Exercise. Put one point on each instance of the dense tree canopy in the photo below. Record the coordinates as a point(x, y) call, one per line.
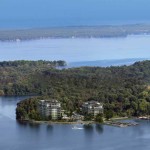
point(124, 90)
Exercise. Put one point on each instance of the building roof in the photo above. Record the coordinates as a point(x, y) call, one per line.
point(51, 102)
point(92, 104)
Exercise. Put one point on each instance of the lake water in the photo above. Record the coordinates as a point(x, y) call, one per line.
point(47, 13)
point(17, 136)
point(74, 50)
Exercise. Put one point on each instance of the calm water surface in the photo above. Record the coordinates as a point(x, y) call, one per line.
point(73, 50)
point(16, 136)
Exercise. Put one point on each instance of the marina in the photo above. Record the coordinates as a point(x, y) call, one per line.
point(121, 124)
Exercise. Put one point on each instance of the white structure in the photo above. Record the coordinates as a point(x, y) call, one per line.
point(92, 107)
point(50, 108)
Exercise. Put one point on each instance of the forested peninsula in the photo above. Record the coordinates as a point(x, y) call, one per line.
point(124, 90)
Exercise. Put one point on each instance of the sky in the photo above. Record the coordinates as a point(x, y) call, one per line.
point(46, 13)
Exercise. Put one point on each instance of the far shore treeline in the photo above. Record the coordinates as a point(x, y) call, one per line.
point(125, 90)
point(103, 31)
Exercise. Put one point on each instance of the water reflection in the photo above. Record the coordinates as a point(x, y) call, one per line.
point(89, 130)
point(25, 124)
point(88, 127)
point(99, 128)
point(34, 125)
point(22, 123)
point(49, 128)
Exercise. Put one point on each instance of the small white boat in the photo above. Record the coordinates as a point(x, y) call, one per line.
point(77, 128)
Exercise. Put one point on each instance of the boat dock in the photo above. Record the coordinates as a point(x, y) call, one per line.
point(121, 124)
point(144, 117)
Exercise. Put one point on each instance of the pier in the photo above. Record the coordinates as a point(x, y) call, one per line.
point(121, 124)
point(144, 117)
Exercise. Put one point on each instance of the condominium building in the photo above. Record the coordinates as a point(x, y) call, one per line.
point(92, 107)
point(50, 108)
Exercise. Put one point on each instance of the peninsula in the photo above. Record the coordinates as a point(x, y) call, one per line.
point(124, 91)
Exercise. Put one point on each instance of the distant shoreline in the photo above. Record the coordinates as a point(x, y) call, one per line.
point(108, 31)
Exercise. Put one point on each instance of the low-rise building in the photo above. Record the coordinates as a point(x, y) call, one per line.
point(50, 108)
point(92, 107)
point(76, 116)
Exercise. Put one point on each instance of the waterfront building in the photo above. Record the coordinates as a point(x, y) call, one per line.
point(75, 116)
point(50, 108)
point(92, 107)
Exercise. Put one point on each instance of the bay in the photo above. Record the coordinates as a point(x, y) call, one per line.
point(77, 49)
point(16, 136)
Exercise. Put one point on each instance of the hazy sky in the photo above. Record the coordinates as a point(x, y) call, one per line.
point(30, 13)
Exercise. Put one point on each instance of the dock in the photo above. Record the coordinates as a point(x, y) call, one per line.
point(144, 117)
point(121, 124)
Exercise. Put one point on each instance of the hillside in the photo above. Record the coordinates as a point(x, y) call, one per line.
point(125, 89)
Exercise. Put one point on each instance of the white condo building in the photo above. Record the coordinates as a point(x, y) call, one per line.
point(92, 107)
point(50, 108)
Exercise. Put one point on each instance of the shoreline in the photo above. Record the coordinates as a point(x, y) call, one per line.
point(105, 31)
point(57, 122)
point(114, 122)
point(76, 122)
